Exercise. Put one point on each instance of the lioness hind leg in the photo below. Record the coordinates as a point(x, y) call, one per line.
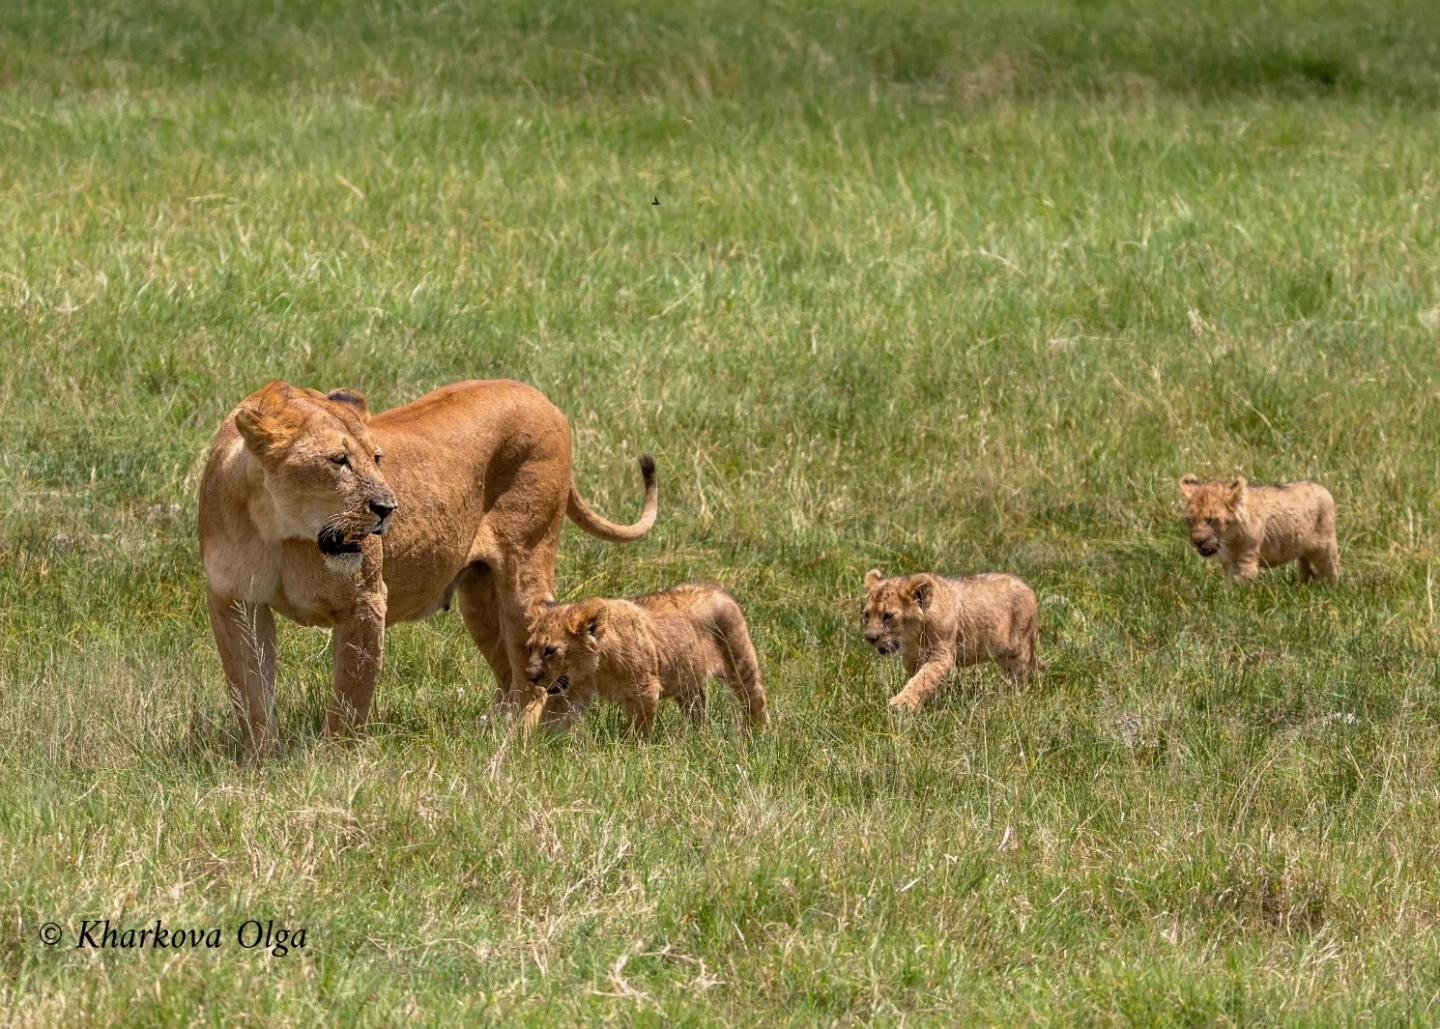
point(479, 609)
point(523, 582)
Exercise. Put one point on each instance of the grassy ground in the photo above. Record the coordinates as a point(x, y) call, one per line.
point(952, 287)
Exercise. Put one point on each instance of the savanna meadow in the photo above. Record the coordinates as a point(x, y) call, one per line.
point(956, 287)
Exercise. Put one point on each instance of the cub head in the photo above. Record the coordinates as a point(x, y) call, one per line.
point(565, 642)
point(322, 468)
point(1212, 511)
point(895, 608)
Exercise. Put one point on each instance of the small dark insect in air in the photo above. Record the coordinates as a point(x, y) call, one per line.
point(655, 202)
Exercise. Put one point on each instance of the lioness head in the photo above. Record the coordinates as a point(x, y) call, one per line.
point(894, 608)
point(1212, 511)
point(564, 643)
point(322, 469)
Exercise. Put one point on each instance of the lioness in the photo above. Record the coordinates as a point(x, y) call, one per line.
point(1253, 527)
point(468, 487)
point(939, 623)
point(636, 652)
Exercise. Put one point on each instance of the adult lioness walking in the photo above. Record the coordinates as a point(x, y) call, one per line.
point(469, 487)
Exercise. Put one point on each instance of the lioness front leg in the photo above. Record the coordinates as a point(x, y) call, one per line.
point(245, 636)
point(923, 684)
point(358, 651)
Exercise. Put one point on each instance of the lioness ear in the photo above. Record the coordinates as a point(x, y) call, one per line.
point(1237, 489)
point(921, 593)
point(873, 576)
point(354, 398)
point(1188, 484)
point(258, 419)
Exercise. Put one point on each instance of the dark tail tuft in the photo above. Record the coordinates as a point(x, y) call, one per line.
point(647, 468)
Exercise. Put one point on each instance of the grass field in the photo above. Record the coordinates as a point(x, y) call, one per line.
point(930, 286)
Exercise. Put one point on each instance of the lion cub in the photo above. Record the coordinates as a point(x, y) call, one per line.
point(939, 623)
point(636, 652)
point(1253, 527)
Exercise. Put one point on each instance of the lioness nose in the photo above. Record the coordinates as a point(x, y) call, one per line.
point(381, 508)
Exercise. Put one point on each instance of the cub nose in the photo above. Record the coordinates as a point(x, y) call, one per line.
point(381, 509)
point(871, 637)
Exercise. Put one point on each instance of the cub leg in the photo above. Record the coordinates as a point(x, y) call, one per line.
point(1245, 566)
point(742, 667)
point(641, 703)
point(924, 683)
point(695, 703)
point(1325, 564)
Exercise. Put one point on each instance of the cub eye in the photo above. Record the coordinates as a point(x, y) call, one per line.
point(378, 456)
point(887, 617)
point(340, 460)
point(551, 651)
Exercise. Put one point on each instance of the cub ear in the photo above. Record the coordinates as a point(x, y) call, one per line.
point(354, 398)
point(259, 419)
point(922, 591)
point(872, 577)
point(1237, 489)
point(1188, 485)
point(589, 619)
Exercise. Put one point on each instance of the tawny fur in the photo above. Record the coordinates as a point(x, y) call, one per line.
point(1252, 527)
point(938, 623)
point(292, 515)
point(637, 652)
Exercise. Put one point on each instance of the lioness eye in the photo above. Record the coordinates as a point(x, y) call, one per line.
point(378, 456)
point(341, 460)
point(551, 651)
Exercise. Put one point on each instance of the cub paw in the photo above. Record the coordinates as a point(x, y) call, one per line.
point(904, 703)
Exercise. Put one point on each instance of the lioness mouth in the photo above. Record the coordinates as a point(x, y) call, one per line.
point(559, 686)
point(332, 543)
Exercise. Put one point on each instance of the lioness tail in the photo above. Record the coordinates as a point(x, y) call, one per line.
point(582, 514)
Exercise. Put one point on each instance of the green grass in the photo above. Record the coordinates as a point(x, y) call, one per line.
point(953, 287)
